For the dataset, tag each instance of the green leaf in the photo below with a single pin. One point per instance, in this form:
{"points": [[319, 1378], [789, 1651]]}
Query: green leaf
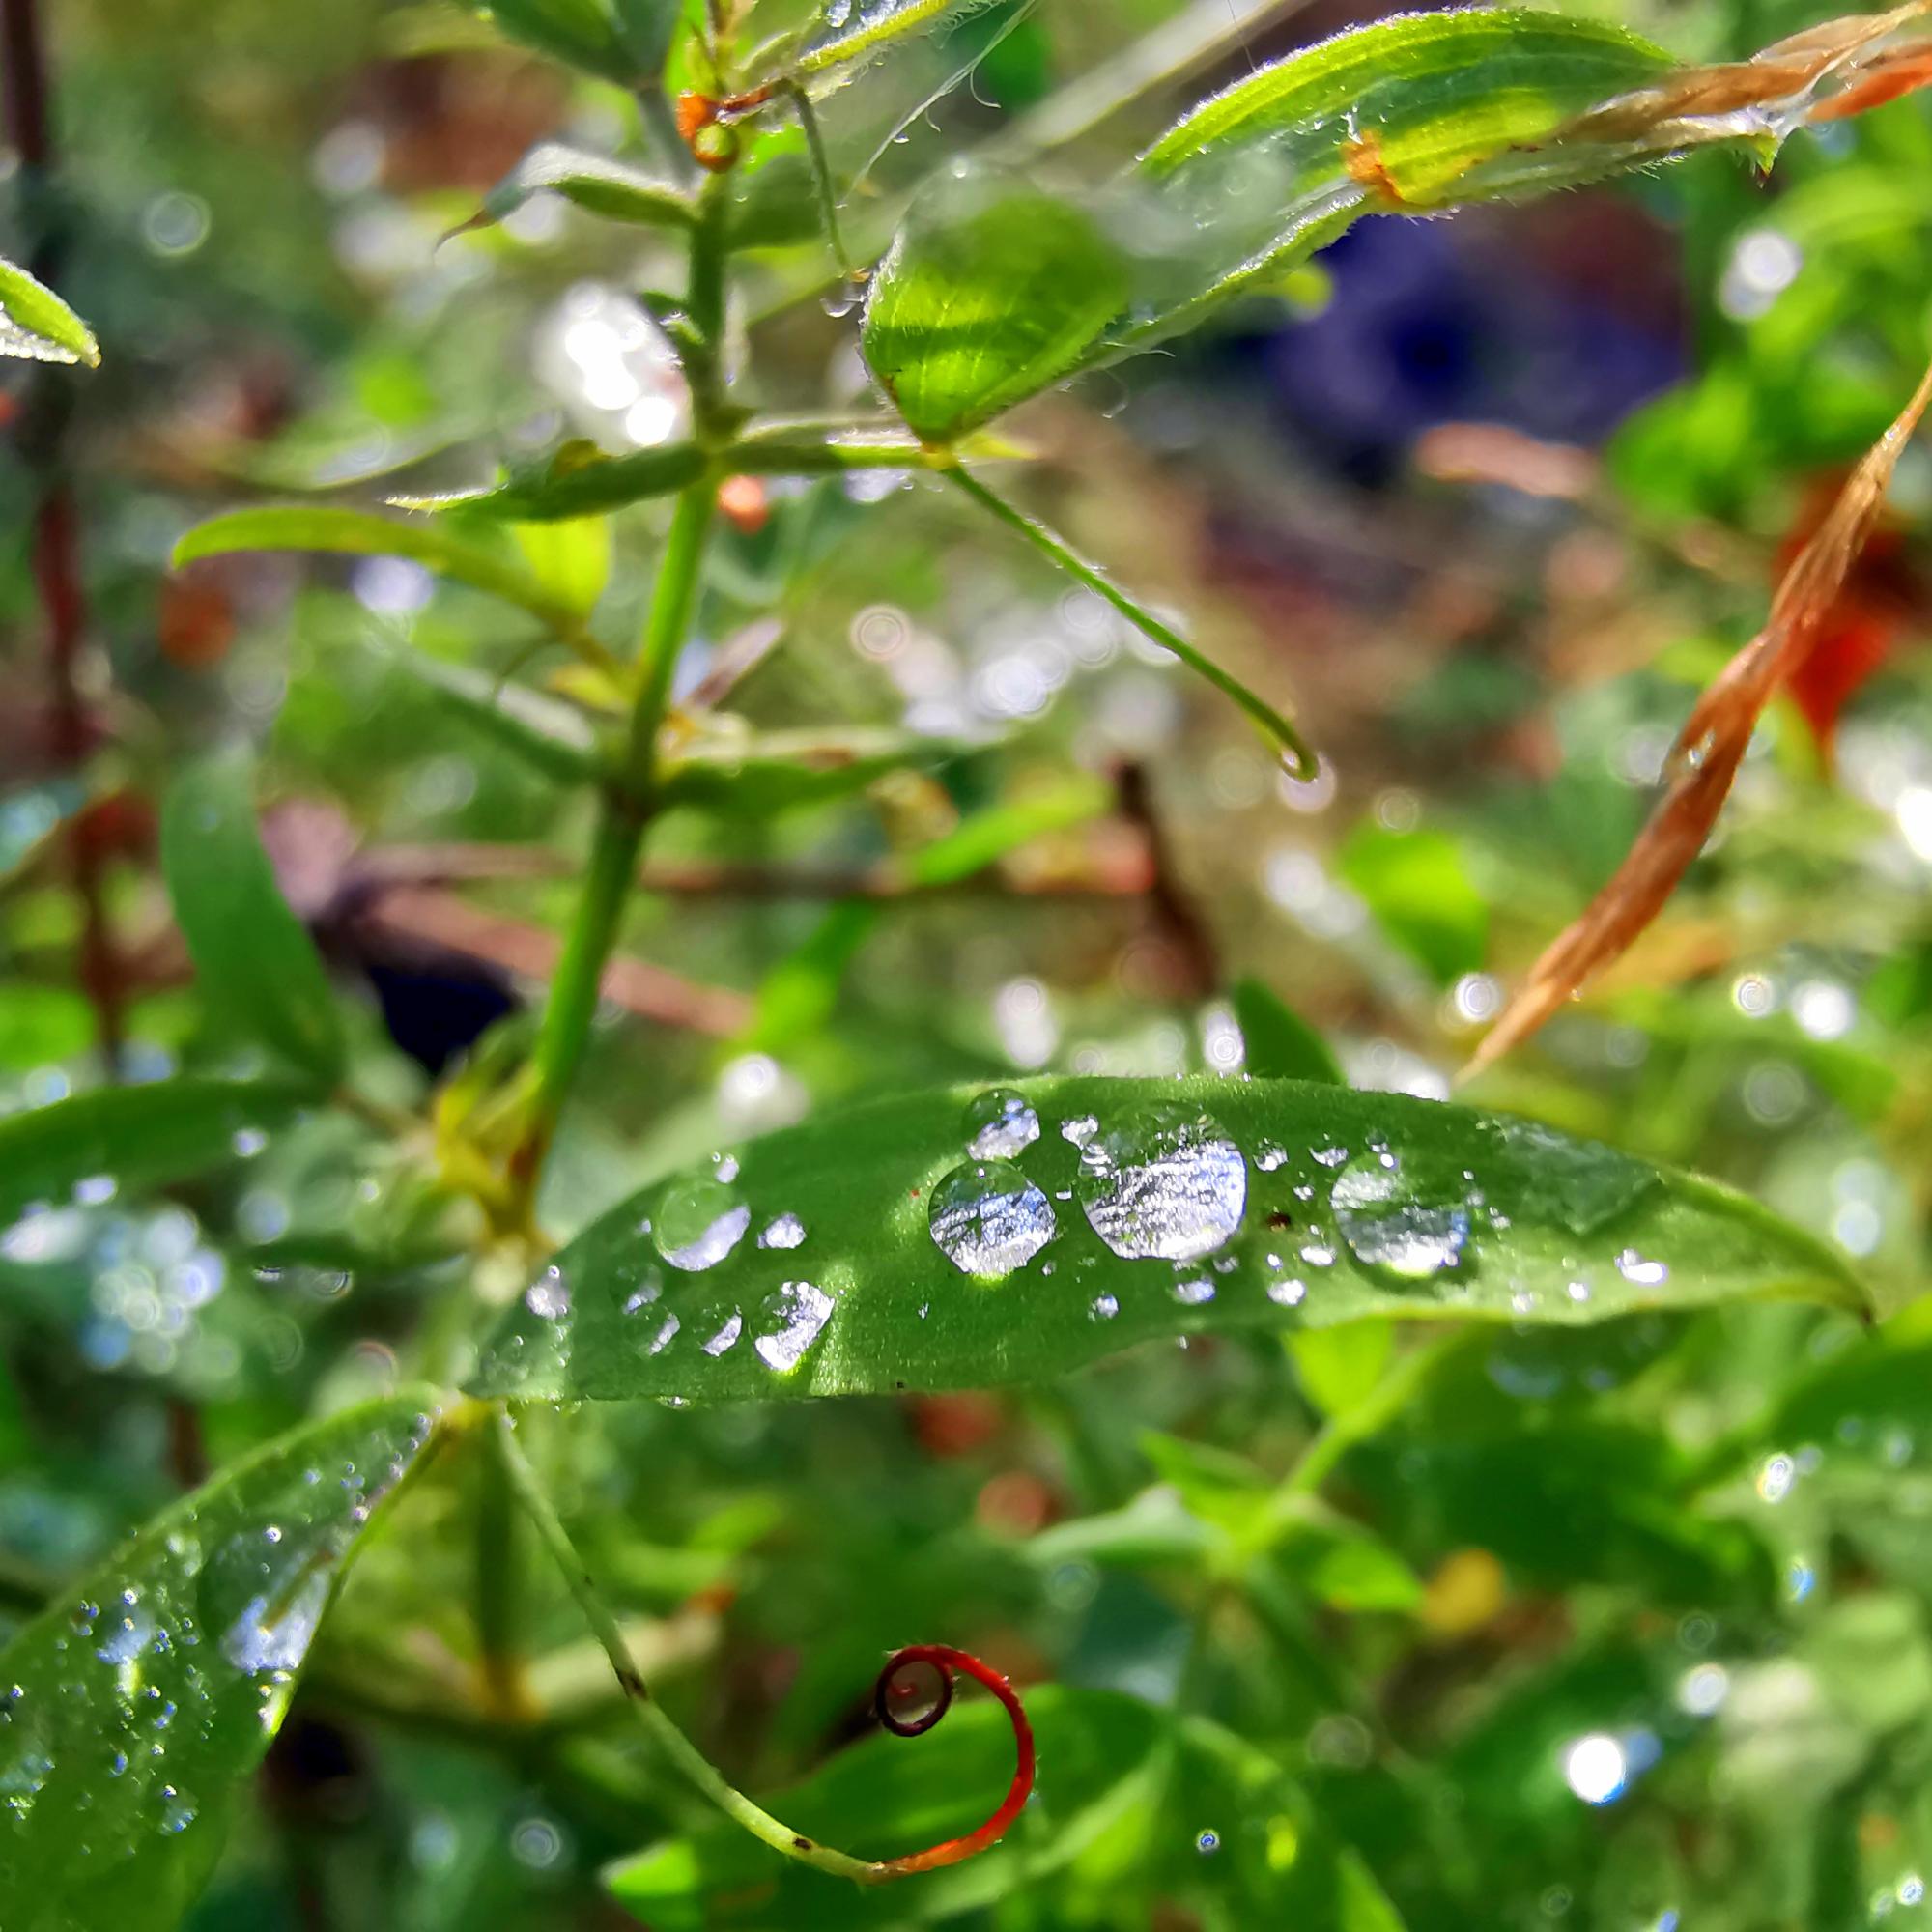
{"points": [[139, 1702], [849, 31], [1415, 886], [259, 973], [1101, 1756], [37, 324], [578, 480], [992, 288], [1198, 1206], [586, 34], [596, 183], [1280, 1044], [134, 1136], [756, 775], [361, 533], [571, 560], [553, 737], [1338, 1368]]}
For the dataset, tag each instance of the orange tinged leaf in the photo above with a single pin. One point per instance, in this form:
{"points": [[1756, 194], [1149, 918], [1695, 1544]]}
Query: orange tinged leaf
{"points": [[1710, 748]]}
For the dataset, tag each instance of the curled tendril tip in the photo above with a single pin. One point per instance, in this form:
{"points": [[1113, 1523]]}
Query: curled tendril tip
{"points": [[909, 1708]]}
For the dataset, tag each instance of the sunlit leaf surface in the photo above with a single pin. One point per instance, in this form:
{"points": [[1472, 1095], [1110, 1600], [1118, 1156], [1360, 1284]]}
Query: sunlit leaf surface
{"points": [[1007, 1234]]}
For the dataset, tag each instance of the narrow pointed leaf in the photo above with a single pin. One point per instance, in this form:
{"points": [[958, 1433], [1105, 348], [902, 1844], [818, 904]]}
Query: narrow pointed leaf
{"points": [[585, 34], [851, 31], [257, 970], [132, 1136], [578, 480], [961, 1238], [361, 533], [35, 324], [596, 183], [133, 1707], [553, 737], [758, 774]]}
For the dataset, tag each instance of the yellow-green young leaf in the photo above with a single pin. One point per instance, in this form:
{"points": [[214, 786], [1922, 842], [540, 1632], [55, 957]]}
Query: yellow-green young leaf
{"points": [[260, 976], [361, 533], [969, 1238], [37, 324], [1338, 1368], [571, 560], [133, 1707], [132, 1136], [992, 288]]}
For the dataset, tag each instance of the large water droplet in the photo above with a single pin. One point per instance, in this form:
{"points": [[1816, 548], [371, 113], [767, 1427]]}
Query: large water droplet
{"points": [[786, 1230], [698, 1223], [987, 1218], [999, 1123], [1578, 1185], [1389, 1227], [1166, 1182]]}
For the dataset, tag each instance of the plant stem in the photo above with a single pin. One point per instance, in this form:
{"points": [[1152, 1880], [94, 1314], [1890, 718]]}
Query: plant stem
{"points": [[1293, 749], [688, 1759], [501, 1601], [1405, 1378], [56, 521]]}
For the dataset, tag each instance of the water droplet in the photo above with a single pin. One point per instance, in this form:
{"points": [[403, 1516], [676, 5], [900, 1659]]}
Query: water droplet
{"points": [[726, 1337], [725, 1166], [698, 1223], [1193, 1293], [549, 1295], [665, 1336], [999, 1123], [800, 1310], [1207, 1843], [1106, 1308], [1268, 1156], [1288, 1294], [786, 1232], [1166, 1182], [1576, 1184], [1080, 1129], [1331, 1157], [1389, 1228], [987, 1218], [1638, 1271], [648, 1289]]}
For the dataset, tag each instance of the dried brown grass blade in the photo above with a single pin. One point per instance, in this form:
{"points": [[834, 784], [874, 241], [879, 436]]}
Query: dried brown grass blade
{"points": [[1777, 80], [1707, 754]]}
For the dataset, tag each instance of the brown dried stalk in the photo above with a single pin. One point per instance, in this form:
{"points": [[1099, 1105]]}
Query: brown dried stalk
{"points": [[1709, 749]]}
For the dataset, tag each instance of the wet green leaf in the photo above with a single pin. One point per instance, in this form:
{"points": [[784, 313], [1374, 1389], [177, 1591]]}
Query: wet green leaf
{"points": [[963, 1239], [37, 324], [992, 289], [132, 1136], [258, 971], [1280, 1044], [132, 1707], [361, 533], [850, 31]]}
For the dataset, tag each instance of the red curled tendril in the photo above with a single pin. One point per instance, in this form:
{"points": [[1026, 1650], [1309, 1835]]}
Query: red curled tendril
{"points": [[945, 1660]]}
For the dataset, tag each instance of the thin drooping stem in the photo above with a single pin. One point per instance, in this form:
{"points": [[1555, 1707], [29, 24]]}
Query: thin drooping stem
{"points": [[56, 521], [663, 1732], [1294, 750]]}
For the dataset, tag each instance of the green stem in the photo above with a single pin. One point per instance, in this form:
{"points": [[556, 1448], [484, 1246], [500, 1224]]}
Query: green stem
{"points": [[663, 1732], [1294, 750], [499, 1594], [1406, 1380]]}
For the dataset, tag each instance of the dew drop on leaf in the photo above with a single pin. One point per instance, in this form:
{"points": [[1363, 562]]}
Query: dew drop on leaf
{"points": [[1167, 1181], [987, 1218], [795, 1315], [698, 1223], [726, 1337], [1390, 1227], [999, 1123], [786, 1230]]}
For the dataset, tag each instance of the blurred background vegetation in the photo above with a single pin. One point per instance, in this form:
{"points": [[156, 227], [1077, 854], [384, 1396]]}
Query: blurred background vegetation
{"points": [[1631, 1626]]}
